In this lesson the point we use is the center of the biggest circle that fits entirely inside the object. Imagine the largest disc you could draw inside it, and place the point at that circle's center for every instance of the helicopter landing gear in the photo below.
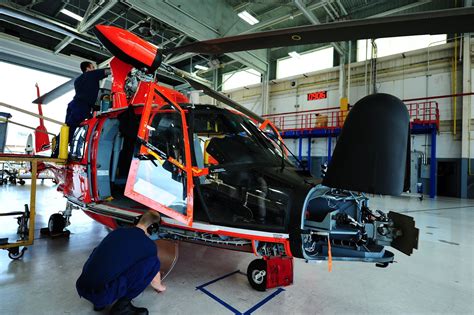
(270, 272)
(257, 274)
(56, 224)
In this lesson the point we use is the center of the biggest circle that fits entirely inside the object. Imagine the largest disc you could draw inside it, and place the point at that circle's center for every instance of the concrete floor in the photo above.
(438, 278)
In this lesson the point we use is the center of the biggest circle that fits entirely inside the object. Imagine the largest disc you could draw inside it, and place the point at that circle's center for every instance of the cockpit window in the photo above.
(158, 179)
(165, 133)
(244, 155)
(233, 139)
(78, 143)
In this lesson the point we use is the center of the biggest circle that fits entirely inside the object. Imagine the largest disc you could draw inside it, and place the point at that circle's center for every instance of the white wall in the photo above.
(406, 78)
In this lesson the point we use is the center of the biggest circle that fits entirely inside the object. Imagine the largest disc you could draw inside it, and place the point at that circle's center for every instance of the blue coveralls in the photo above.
(87, 89)
(122, 266)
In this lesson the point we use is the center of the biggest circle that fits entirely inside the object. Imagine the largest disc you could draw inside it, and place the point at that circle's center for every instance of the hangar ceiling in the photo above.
(168, 23)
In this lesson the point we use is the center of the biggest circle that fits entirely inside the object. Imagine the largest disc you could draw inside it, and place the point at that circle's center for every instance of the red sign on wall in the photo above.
(317, 95)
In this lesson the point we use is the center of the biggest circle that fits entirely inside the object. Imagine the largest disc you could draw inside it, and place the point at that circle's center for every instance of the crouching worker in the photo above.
(121, 267)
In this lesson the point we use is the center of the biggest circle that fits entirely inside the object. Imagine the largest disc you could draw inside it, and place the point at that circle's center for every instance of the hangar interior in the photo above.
(306, 91)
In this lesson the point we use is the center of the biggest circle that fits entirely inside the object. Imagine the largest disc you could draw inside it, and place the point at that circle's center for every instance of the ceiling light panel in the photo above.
(247, 17)
(71, 14)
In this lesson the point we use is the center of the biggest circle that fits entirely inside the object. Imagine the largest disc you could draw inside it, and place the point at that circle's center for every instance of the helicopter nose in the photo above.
(128, 47)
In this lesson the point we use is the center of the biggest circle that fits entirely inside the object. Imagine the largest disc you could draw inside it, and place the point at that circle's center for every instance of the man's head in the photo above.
(87, 66)
(149, 221)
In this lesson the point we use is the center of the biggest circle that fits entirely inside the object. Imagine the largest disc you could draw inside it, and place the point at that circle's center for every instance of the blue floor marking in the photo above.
(228, 306)
(262, 302)
(215, 280)
(217, 299)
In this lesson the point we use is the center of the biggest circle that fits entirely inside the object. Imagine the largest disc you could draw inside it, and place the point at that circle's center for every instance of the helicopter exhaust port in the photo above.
(339, 224)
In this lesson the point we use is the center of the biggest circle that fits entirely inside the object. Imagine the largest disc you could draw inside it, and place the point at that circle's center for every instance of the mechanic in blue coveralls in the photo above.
(122, 266)
(87, 89)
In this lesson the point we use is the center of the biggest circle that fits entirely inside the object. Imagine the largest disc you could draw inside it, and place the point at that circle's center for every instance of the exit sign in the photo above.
(317, 95)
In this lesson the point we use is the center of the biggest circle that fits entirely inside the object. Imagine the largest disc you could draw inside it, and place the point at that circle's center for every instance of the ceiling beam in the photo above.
(48, 24)
(66, 41)
(197, 23)
(27, 55)
(401, 9)
(87, 14)
(87, 24)
(343, 9)
(314, 20)
(280, 19)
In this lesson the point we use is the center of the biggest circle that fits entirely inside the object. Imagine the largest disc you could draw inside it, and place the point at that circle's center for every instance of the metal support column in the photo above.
(433, 164)
(309, 155)
(329, 148)
(34, 173)
(300, 147)
(466, 142)
(266, 88)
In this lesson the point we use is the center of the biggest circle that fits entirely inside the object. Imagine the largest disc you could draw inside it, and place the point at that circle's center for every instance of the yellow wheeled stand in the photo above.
(26, 219)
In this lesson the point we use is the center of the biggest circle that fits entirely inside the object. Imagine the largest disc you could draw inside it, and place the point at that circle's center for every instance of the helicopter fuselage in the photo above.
(218, 179)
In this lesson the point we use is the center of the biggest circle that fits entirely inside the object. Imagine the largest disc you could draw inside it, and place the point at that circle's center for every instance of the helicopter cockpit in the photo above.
(239, 191)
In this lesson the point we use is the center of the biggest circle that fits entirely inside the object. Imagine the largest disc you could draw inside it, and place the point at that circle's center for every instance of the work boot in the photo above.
(125, 307)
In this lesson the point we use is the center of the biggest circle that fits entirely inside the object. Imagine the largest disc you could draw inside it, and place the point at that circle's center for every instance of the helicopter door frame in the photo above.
(157, 94)
(267, 123)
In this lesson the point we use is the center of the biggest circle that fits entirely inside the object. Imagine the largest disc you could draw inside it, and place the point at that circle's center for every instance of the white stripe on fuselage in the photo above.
(211, 228)
(218, 228)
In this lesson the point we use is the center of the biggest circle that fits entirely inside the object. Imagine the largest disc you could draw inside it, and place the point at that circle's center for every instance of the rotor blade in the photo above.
(431, 22)
(222, 98)
(55, 93)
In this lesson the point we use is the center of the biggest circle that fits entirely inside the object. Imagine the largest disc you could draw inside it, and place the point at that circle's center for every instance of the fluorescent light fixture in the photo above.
(247, 17)
(294, 54)
(71, 14)
(201, 67)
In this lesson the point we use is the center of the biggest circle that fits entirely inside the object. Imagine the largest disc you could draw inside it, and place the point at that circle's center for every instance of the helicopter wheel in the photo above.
(21, 182)
(257, 274)
(56, 223)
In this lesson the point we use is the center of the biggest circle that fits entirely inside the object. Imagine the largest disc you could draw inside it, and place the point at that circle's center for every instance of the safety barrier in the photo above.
(421, 113)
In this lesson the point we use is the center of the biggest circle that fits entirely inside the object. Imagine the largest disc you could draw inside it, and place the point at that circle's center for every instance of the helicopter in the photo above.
(222, 176)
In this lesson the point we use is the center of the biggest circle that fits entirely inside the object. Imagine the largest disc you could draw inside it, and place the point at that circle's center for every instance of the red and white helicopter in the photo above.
(221, 177)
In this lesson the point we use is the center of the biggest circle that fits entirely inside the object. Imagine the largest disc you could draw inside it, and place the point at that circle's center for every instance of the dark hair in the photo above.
(85, 65)
(149, 218)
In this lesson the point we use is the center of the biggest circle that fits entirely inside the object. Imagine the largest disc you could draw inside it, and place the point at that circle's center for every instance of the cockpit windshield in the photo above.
(241, 192)
(228, 138)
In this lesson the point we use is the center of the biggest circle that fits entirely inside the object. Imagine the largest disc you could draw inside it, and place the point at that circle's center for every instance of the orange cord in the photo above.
(329, 255)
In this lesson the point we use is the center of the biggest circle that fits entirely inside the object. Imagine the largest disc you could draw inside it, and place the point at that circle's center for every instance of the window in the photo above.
(241, 78)
(78, 143)
(159, 180)
(244, 192)
(396, 45)
(305, 63)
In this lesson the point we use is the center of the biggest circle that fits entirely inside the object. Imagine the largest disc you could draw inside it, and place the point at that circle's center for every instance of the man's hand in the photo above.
(156, 283)
(159, 287)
